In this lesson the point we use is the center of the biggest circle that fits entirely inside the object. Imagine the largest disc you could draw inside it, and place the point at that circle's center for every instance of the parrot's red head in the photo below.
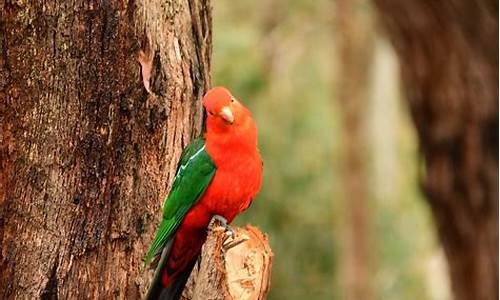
(225, 114)
(218, 103)
(223, 109)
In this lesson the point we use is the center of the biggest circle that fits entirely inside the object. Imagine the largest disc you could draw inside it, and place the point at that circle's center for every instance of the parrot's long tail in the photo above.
(156, 286)
(174, 290)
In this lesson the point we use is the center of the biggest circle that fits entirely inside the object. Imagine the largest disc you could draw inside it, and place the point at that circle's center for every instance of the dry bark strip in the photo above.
(238, 272)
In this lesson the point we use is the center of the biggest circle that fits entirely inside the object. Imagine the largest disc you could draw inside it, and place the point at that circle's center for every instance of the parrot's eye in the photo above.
(210, 113)
(232, 99)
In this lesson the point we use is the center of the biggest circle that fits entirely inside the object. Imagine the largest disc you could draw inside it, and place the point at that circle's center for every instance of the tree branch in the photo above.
(231, 269)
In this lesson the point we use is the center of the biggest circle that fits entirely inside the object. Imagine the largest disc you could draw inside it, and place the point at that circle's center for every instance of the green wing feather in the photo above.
(194, 173)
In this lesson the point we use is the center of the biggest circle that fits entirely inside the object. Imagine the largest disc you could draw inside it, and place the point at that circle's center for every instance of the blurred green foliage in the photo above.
(279, 58)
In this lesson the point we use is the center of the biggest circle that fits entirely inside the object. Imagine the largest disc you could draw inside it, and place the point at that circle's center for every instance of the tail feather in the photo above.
(156, 287)
(174, 291)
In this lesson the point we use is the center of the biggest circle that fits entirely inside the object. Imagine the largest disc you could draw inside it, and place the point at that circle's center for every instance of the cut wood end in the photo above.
(242, 271)
(248, 265)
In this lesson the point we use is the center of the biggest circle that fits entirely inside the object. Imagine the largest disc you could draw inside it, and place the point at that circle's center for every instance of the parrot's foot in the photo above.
(229, 231)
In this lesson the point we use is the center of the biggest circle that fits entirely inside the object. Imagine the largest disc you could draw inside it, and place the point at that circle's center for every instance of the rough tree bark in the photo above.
(448, 52)
(88, 142)
(356, 52)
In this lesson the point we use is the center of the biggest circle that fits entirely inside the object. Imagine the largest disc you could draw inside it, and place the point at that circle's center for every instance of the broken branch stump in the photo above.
(231, 269)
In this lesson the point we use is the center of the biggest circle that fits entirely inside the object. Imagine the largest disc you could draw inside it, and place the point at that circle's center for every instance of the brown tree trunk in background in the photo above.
(356, 43)
(448, 52)
(86, 153)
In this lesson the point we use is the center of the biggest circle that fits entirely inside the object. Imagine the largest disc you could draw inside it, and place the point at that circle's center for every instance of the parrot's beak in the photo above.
(227, 114)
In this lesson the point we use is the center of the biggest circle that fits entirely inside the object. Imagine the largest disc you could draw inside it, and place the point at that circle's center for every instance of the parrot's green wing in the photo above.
(194, 173)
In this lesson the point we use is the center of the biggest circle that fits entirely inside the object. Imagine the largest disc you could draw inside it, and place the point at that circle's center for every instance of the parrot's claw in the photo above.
(229, 231)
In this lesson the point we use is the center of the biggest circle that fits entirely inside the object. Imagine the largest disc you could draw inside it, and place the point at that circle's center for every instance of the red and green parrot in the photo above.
(218, 175)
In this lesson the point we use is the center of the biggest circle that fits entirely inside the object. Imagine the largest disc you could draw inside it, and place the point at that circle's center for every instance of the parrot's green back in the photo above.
(194, 173)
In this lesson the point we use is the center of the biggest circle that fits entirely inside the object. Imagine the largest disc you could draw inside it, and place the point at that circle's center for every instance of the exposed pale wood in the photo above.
(232, 272)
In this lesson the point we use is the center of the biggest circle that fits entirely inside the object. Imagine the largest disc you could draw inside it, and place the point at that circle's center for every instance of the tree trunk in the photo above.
(448, 52)
(88, 142)
(356, 44)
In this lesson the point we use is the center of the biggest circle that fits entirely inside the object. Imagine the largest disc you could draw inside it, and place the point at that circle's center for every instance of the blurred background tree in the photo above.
(449, 63)
(286, 59)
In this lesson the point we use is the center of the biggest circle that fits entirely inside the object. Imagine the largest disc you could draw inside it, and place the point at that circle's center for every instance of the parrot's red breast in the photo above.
(231, 142)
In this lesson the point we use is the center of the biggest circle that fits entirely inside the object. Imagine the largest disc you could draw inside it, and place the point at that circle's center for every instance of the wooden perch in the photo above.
(231, 269)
